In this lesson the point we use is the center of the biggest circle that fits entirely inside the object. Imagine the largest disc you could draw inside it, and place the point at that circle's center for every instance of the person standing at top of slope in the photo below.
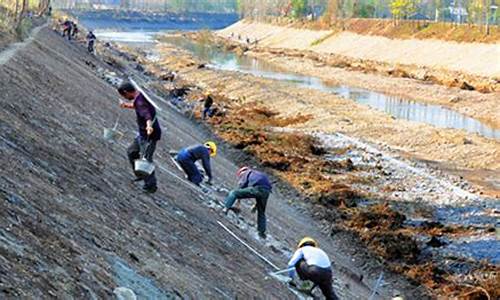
(149, 130)
(256, 185)
(187, 158)
(311, 263)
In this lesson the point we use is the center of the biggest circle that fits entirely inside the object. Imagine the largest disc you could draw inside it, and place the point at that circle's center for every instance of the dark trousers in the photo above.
(146, 148)
(67, 32)
(189, 167)
(260, 195)
(321, 277)
(90, 46)
(207, 111)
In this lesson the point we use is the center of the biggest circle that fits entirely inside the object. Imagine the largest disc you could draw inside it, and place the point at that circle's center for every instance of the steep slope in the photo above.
(72, 224)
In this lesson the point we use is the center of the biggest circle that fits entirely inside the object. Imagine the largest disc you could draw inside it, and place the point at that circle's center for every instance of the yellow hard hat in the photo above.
(307, 241)
(212, 146)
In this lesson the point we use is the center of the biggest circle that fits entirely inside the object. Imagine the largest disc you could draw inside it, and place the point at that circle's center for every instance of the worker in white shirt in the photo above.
(313, 264)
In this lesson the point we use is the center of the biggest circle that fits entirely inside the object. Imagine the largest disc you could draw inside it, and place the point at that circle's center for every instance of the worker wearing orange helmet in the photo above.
(311, 263)
(256, 185)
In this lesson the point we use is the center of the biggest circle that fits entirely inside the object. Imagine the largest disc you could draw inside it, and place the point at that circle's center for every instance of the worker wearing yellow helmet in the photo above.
(187, 158)
(311, 263)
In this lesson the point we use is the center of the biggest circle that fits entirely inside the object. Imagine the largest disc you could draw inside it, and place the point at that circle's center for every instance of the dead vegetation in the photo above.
(298, 159)
(466, 33)
(328, 185)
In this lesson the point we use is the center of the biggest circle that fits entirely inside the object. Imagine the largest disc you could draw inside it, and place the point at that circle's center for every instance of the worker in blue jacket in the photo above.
(187, 158)
(256, 185)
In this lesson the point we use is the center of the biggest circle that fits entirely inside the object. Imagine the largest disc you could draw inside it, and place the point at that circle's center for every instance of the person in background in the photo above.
(209, 101)
(252, 184)
(67, 29)
(311, 263)
(75, 31)
(91, 38)
(187, 158)
(149, 131)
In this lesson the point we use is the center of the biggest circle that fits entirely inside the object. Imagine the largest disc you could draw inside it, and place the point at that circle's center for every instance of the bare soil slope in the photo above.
(72, 224)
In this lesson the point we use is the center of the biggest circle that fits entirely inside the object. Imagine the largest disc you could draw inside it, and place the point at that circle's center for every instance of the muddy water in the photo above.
(397, 107)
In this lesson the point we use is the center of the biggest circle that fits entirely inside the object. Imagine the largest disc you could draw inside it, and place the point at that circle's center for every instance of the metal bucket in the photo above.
(143, 167)
(110, 134)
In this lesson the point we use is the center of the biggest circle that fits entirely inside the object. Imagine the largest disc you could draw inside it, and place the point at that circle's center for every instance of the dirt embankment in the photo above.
(402, 29)
(472, 66)
(74, 226)
(248, 109)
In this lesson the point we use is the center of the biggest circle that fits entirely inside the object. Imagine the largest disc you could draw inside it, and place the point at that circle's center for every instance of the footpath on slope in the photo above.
(72, 224)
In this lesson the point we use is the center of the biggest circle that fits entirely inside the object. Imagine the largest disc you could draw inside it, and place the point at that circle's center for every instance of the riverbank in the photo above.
(254, 109)
(471, 58)
(331, 113)
(73, 225)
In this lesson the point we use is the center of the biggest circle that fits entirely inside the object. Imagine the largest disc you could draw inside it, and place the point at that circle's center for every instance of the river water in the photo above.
(401, 108)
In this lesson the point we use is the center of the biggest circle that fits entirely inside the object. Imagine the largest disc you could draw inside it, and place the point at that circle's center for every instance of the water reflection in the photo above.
(395, 106)
(142, 37)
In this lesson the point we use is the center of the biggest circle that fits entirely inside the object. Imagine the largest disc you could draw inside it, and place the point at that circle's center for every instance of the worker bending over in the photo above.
(311, 263)
(187, 158)
(256, 185)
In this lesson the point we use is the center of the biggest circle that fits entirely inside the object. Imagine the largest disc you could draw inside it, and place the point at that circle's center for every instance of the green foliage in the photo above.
(23, 29)
(299, 8)
(364, 10)
(402, 9)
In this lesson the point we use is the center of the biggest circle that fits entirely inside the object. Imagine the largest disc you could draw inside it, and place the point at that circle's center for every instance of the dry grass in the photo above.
(406, 29)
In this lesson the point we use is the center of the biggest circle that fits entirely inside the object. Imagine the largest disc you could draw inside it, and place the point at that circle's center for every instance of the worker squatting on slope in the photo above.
(311, 263)
(149, 131)
(252, 184)
(187, 158)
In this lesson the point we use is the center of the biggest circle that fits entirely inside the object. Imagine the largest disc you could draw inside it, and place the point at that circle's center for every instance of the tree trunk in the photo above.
(20, 16)
(43, 7)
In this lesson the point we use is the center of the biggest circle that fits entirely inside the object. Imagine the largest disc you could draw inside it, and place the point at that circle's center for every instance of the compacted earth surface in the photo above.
(383, 181)
(74, 225)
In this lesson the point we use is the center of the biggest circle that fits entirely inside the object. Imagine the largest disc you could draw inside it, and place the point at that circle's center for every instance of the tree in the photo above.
(403, 9)
(299, 8)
